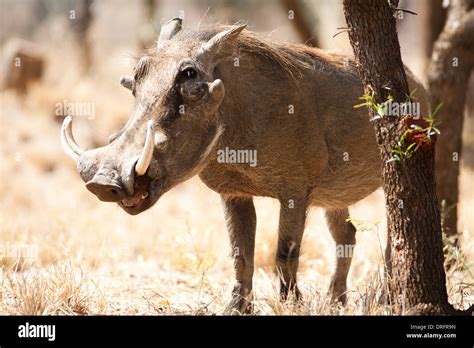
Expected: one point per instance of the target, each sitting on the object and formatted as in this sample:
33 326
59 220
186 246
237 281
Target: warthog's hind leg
241 223
343 233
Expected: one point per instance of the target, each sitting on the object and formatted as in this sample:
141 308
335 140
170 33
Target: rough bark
418 282
448 80
300 23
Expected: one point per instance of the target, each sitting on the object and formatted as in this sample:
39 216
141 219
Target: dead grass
91 258
60 289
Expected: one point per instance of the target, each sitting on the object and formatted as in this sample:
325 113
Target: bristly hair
292 58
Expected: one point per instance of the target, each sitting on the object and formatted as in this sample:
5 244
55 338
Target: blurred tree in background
147 31
433 16
81 16
302 21
448 81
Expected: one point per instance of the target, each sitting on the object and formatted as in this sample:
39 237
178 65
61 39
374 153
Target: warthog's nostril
105 189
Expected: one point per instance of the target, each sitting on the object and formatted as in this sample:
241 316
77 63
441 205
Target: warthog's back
353 169
294 105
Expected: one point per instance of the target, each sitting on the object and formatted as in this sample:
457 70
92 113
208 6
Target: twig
342 30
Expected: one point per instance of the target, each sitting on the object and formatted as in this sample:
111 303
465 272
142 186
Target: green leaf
399 152
438 107
381 112
360 105
412 95
393 159
410 147
404 136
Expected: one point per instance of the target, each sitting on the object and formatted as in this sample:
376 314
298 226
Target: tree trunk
418 283
147 34
80 24
433 18
448 80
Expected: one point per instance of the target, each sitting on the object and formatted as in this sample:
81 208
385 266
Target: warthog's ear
222 45
127 82
169 29
114 136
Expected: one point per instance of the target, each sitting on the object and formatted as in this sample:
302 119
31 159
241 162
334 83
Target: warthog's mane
291 58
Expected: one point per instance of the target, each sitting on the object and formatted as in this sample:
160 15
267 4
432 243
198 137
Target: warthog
289 106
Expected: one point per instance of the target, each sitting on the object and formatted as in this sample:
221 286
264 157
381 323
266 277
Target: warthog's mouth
141 193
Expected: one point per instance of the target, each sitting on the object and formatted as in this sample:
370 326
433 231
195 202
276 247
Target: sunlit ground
88 257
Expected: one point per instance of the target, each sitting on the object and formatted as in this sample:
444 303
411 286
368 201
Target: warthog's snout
109 189
106 189
112 174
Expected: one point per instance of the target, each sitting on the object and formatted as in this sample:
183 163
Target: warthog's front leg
241 224
290 233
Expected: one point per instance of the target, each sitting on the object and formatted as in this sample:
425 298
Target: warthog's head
173 128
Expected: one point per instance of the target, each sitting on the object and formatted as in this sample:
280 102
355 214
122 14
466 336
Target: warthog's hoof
292 292
241 302
338 293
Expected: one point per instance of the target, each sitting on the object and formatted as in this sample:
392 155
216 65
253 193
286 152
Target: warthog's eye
188 74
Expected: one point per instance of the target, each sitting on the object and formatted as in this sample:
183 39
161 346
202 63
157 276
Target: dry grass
82 256
60 289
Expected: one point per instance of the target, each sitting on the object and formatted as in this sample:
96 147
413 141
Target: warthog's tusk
67 140
147 153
